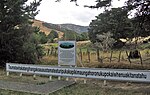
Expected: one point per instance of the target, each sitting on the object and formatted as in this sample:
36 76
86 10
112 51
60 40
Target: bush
118 44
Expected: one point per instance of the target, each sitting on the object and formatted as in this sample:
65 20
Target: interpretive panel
67 52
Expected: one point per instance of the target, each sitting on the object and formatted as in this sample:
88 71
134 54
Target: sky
67 12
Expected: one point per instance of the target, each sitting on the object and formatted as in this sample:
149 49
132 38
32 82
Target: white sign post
67 53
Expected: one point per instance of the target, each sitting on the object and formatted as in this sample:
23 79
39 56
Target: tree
43 37
70 35
141 19
53 34
15 29
114 21
84 36
105 41
32 49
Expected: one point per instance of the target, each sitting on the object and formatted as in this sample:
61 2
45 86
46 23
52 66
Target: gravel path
35 88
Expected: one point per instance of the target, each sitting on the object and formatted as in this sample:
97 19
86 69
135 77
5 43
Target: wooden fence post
55 53
48 52
81 54
88 52
111 53
128 57
97 51
141 58
119 56
52 48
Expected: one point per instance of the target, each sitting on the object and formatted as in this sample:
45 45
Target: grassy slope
44 29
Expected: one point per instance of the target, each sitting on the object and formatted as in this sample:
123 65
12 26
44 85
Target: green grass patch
95 89
87 89
92 87
10 92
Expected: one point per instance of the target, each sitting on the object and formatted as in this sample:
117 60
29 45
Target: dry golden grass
44 29
93 62
49 60
115 63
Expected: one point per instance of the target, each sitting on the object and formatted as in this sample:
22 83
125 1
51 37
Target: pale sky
66 12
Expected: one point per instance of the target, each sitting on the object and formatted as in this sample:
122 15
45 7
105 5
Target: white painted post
84 81
75 79
34 76
59 78
50 78
105 83
20 74
7 73
67 79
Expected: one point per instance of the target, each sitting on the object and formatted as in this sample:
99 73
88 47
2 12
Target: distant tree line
70 35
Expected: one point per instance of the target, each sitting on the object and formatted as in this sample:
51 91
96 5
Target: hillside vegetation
45 29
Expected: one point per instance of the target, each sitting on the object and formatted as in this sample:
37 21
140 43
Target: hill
60 28
76 28
45 29
70 27
65 31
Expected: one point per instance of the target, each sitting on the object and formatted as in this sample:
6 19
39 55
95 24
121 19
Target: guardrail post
105 83
20 74
34 76
59 78
67 79
75 80
50 78
84 81
7 73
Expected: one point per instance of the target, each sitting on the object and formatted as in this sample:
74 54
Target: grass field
92 87
51 58
98 89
